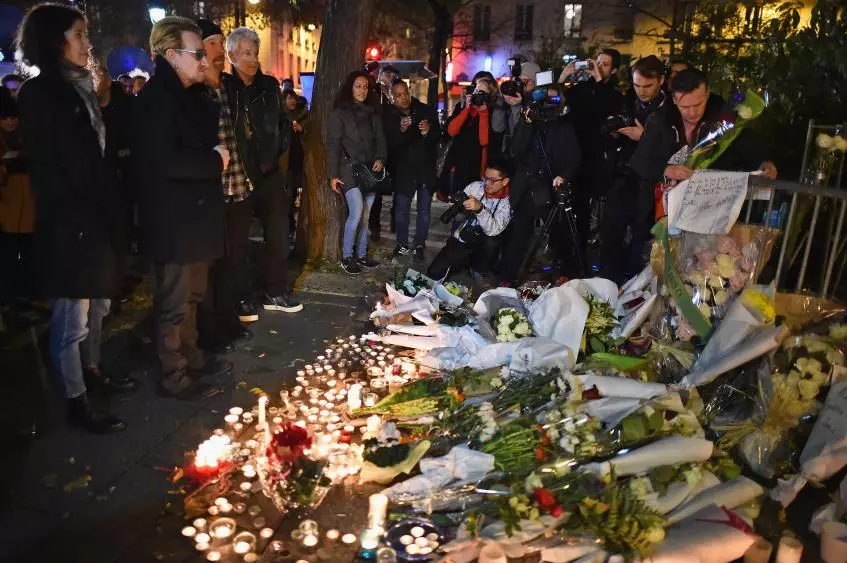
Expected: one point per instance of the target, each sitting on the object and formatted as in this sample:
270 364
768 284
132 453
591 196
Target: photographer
692 116
547 154
475 242
475 143
625 197
411 132
514 96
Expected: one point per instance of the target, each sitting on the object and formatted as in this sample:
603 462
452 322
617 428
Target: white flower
523 328
744 112
553 433
552 416
824 141
693 476
641 486
496 382
839 143
566 445
533 482
570 426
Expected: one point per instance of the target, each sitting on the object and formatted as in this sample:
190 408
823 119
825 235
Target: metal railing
814 220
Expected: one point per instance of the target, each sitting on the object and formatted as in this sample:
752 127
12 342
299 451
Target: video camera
514 86
543 106
615 122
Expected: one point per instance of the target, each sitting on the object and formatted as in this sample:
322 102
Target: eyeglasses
199 54
492 180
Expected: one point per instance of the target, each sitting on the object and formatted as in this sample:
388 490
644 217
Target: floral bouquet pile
457 289
602 321
387 455
510 325
290 477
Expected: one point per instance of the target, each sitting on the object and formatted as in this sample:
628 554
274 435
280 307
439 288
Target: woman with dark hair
73 175
355 136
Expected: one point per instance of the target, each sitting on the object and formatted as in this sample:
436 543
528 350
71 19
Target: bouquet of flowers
386 456
289 476
510 325
530 291
457 289
416 398
601 322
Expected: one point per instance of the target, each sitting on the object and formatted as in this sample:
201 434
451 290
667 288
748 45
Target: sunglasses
199 54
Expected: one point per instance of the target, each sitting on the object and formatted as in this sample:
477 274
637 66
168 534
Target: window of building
573 20
482 23
523 22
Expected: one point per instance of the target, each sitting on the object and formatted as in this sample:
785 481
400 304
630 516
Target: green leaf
619 362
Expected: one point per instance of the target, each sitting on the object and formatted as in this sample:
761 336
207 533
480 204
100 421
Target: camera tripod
562 211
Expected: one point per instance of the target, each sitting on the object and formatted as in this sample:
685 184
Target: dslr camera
457 199
477 98
514 86
615 122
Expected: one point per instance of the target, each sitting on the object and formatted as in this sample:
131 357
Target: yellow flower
744 112
824 141
705 310
808 389
726 266
838 332
760 302
839 143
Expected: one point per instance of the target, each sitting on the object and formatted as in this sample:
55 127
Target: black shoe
80 414
212 368
419 254
181 387
247 312
282 302
351 266
401 250
95 380
367 262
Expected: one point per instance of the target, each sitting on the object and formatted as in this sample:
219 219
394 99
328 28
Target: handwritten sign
708 203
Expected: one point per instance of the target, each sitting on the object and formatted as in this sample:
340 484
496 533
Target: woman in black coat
73 176
355 136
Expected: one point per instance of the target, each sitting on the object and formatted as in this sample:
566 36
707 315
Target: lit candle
238 411
370 539
266 532
790 550
354 397
310 540
213 556
348 538
263 404
332 534
377 509
189 531
374 424
200 523
202 537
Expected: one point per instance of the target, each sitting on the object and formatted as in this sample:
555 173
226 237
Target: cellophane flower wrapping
714 270
769 416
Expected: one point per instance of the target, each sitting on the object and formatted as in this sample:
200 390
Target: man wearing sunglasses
262 135
477 239
180 162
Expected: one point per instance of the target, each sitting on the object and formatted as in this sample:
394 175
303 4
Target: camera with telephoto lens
458 199
615 122
514 86
477 98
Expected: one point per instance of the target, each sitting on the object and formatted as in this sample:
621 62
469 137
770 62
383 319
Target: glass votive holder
277 546
370 399
244 542
247 418
199 524
308 527
213 555
222 528
266 533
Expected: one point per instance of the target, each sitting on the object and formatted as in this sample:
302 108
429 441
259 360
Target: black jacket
262 131
466 152
411 156
179 171
531 142
353 131
622 148
664 135
295 152
75 191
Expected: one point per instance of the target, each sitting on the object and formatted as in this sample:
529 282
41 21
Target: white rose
569 426
744 112
522 328
824 141
840 143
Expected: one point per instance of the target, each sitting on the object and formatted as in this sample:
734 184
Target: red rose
540 454
545 499
556 511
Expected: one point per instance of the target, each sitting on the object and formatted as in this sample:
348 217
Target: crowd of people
212 150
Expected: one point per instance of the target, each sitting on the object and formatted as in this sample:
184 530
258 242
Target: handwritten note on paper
708 203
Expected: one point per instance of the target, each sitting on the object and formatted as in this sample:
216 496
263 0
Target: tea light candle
223 528
201 546
243 543
254 511
348 539
240 507
251 558
200 523
374 424
259 522
370 399
332 534
266 532
245 486
238 411
213 556
202 537
248 470
189 531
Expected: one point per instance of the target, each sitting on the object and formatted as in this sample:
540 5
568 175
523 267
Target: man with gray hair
262 135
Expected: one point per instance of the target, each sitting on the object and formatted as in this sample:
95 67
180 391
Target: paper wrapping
667 451
702 538
639 282
600 288
623 387
414 330
761 343
538 354
641 315
729 495
560 314
567 553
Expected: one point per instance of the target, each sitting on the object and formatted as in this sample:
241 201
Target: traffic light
372 53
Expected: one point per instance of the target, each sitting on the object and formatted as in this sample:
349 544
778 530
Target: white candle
213 556
370 539
263 404
189 531
241 547
354 397
374 424
266 532
789 550
332 534
236 411
377 508
759 552
348 538
202 538
310 540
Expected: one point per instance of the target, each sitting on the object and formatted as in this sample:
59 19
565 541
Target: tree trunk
441 29
345 29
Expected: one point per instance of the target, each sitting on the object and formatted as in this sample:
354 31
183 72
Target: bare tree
345 29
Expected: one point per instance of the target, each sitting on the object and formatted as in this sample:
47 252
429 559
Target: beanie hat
529 70
208 28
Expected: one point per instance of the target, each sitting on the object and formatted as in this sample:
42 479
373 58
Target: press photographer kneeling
477 239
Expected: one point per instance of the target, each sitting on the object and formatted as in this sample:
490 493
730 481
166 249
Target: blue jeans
75 332
402 209
358 211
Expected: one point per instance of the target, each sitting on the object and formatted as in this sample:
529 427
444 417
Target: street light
156 12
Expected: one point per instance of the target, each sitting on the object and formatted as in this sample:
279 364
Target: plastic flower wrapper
705 276
385 456
510 325
418 397
531 290
489 303
457 289
711 534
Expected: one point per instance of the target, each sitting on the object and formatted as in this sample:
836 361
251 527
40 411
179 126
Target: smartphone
544 78
582 65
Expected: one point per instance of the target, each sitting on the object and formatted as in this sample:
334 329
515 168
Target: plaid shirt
236 184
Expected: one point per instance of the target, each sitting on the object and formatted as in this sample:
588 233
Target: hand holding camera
633 132
472 204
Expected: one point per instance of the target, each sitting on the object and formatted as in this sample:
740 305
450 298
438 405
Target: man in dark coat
255 185
411 133
180 163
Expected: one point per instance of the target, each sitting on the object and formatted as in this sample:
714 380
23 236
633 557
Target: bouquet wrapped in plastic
702 277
